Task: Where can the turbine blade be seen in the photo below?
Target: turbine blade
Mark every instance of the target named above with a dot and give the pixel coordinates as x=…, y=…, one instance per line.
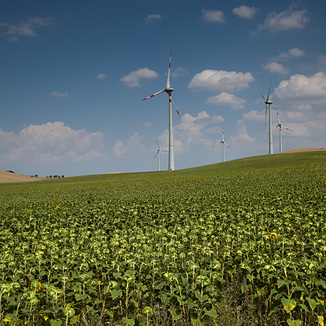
x=288, y=129
x=278, y=118
x=161, y=91
x=176, y=108
x=270, y=85
x=156, y=153
x=158, y=145
x=168, y=80
x=228, y=146
x=217, y=144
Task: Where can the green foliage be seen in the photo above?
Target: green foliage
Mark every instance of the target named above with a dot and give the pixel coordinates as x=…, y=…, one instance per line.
x=236, y=243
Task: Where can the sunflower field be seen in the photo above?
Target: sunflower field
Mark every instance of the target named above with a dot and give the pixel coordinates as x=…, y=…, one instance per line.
x=236, y=243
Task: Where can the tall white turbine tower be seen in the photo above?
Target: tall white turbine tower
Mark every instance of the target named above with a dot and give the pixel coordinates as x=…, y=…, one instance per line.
x=168, y=89
x=159, y=150
x=223, y=146
x=279, y=125
x=268, y=103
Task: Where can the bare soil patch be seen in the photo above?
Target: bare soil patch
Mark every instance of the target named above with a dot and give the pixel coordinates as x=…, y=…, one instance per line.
x=307, y=149
x=7, y=177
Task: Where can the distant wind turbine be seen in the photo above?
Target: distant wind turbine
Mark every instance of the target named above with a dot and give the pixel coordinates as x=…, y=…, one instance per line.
x=168, y=89
x=223, y=146
x=159, y=150
x=269, y=103
x=279, y=125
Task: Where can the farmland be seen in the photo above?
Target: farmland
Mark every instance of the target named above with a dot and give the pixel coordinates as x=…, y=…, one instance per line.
x=236, y=243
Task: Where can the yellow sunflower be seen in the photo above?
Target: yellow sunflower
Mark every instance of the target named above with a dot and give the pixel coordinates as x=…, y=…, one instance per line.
x=273, y=236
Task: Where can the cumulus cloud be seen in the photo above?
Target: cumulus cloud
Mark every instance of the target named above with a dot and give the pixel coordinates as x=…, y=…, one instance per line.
x=302, y=90
x=7, y=139
x=254, y=115
x=276, y=67
x=227, y=99
x=307, y=124
x=101, y=76
x=133, y=78
x=52, y=143
x=213, y=16
x=25, y=29
x=242, y=136
x=220, y=80
x=179, y=71
x=194, y=130
x=152, y=18
x=245, y=12
x=304, y=107
x=132, y=146
x=286, y=20
x=292, y=53
x=58, y=94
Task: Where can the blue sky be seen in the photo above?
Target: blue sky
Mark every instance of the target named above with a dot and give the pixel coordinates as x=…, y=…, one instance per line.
x=73, y=75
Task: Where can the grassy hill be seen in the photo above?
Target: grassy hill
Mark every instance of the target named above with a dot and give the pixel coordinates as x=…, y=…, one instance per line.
x=235, y=243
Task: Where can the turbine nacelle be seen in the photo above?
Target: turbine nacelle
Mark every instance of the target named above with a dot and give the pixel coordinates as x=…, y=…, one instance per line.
x=169, y=90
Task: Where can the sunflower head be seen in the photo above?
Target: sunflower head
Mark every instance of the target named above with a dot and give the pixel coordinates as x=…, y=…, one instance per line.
x=273, y=236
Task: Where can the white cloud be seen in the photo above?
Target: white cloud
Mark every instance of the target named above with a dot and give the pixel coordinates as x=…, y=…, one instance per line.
x=7, y=139
x=101, y=76
x=304, y=107
x=193, y=130
x=179, y=71
x=52, y=143
x=213, y=16
x=25, y=29
x=227, y=99
x=245, y=12
x=276, y=67
x=254, y=115
x=220, y=80
x=303, y=90
x=286, y=20
x=152, y=18
x=134, y=77
x=242, y=136
x=58, y=94
x=292, y=53
x=308, y=124
x=132, y=146
x=295, y=116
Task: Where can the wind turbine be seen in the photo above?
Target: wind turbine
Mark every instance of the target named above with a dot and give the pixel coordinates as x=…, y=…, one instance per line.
x=269, y=103
x=168, y=89
x=279, y=125
x=223, y=146
x=158, y=154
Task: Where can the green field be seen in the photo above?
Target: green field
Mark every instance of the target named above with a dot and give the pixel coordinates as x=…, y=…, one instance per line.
x=236, y=243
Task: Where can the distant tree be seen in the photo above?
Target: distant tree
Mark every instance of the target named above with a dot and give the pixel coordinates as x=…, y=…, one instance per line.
x=10, y=171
